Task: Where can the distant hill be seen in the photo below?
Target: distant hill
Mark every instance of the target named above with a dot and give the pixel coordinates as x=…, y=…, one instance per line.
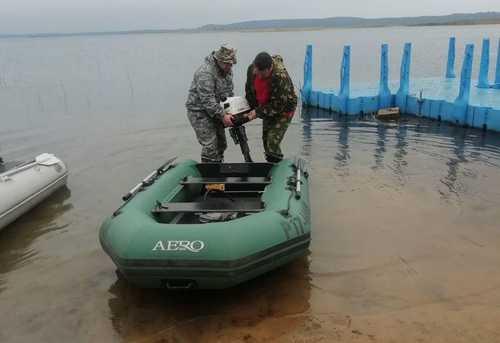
x=297, y=24
x=356, y=22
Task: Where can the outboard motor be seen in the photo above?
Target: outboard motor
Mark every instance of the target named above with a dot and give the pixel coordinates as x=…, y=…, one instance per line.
x=238, y=107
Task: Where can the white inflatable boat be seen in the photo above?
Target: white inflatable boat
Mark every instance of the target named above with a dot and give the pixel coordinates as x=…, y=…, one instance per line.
x=24, y=185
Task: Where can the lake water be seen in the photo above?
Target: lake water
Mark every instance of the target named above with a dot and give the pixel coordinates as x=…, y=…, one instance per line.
x=405, y=215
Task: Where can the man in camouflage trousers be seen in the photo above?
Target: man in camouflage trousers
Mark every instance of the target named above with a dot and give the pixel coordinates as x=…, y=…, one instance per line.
x=270, y=92
x=212, y=83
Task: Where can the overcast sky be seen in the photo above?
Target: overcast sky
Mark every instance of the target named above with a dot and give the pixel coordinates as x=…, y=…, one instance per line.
x=26, y=16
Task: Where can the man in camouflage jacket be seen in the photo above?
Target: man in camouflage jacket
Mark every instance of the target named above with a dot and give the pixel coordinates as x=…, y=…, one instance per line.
x=212, y=83
x=274, y=100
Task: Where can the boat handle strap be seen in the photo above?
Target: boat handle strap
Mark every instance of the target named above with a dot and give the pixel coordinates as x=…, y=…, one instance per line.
x=189, y=285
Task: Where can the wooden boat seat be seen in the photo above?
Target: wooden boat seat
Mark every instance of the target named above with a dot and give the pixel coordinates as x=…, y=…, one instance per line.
x=235, y=180
x=230, y=183
x=212, y=205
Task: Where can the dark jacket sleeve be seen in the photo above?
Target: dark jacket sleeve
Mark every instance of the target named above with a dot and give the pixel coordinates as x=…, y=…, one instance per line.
x=249, y=88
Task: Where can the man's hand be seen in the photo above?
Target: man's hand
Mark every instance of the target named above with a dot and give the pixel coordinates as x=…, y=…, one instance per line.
x=252, y=115
x=228, y=120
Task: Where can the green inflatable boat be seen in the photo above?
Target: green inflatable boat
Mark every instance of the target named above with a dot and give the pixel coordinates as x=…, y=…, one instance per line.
x=210, y=225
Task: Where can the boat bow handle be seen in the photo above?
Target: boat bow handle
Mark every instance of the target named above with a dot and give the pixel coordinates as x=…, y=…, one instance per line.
x=179, y=285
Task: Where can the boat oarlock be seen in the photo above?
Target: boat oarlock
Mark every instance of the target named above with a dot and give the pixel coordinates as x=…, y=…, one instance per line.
x=147, y=181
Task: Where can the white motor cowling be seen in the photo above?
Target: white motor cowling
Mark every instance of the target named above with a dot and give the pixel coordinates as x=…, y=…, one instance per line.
x=236, y=105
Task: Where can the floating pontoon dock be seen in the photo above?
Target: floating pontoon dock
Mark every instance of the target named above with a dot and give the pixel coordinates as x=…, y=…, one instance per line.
x=460, y=100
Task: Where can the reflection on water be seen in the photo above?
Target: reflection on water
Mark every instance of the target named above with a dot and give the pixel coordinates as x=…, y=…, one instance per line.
x=405, y=221
x=406, y=148
x=457, y=159
x=342, y=155
x=380, y=147
x=262, y=309
x=16, y=240
x=399, y=162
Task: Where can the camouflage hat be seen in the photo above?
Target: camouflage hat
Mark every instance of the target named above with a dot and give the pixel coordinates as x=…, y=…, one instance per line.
x=226, y=55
